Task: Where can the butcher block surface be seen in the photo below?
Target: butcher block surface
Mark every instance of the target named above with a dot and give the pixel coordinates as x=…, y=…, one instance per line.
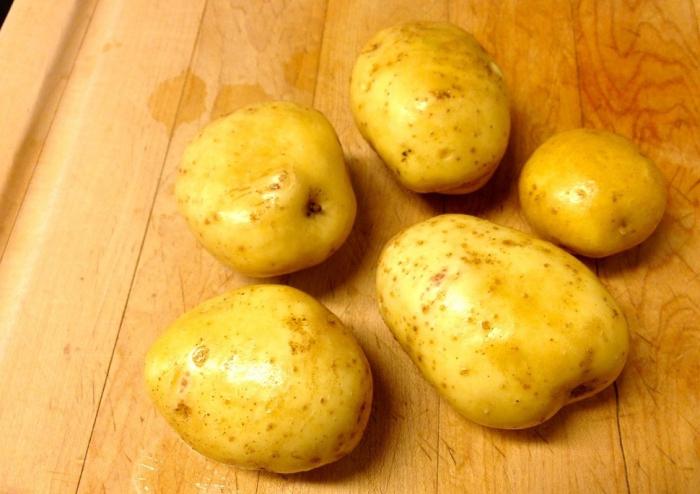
x=99, y=99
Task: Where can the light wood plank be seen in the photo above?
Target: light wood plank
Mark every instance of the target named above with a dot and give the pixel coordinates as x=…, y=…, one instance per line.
x=67, y=267
x=640, y=76
x=38, y=46
x=245, y=53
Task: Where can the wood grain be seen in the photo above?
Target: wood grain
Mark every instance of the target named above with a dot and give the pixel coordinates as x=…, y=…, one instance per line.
x=97, y=262
x=639, y=77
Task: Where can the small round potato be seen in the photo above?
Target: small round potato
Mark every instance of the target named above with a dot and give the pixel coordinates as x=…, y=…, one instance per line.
x=433, y=104
x=263, y=377
x=266, y=190
x=592, y=192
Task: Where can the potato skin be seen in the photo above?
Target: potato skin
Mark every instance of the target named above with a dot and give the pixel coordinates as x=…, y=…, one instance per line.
x=592, y=192
x=433, y=104
x=263, y=377
x=507, y=327
x=266, y=190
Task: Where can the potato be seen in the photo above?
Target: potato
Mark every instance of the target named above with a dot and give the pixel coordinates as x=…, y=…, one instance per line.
x=265, y=189
x=433, y=104
x=592, y=192
x=507, y=327
x=263, y=377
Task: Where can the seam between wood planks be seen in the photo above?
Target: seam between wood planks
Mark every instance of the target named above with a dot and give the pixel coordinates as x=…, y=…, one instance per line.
x=437, y=449
x=320, y=52
x=619, y=435
x=32, y=125
x=143, y=240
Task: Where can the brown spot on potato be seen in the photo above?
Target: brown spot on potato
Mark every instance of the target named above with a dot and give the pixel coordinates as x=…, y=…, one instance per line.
x=587, y=360
x=361, y=412
x=485, y=325
x=312, y=207
x=270, y=426
x=443, y=153
x=579, y=390
x=623, y=228
x=437, y=278
x=200, y=355
x=441, y=94
x=183, y=410
x=296, y=347
x=464, y=372
x=371, y=48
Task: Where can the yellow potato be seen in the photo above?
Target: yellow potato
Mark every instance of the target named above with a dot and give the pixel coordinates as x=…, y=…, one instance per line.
x=507, y=327
x=433, y=104
x=263, y=377
x=265, y=189
x=592, y=192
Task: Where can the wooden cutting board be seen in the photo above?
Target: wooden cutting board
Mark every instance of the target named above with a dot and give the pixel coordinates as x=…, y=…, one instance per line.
x=99, y=98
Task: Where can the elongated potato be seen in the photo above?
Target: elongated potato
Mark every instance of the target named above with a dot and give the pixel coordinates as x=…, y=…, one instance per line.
x=263, y=377
x=507, y=327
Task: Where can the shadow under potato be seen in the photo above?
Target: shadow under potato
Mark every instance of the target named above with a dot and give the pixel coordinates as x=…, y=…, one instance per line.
x=346, y=261
x=493, y=195
x=554, y=429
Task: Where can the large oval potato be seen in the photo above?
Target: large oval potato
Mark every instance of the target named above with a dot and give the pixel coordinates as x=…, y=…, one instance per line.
x=592, y=191
x=433, y=104
x=263, y=377
x=266, y=190
x=507, y=327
